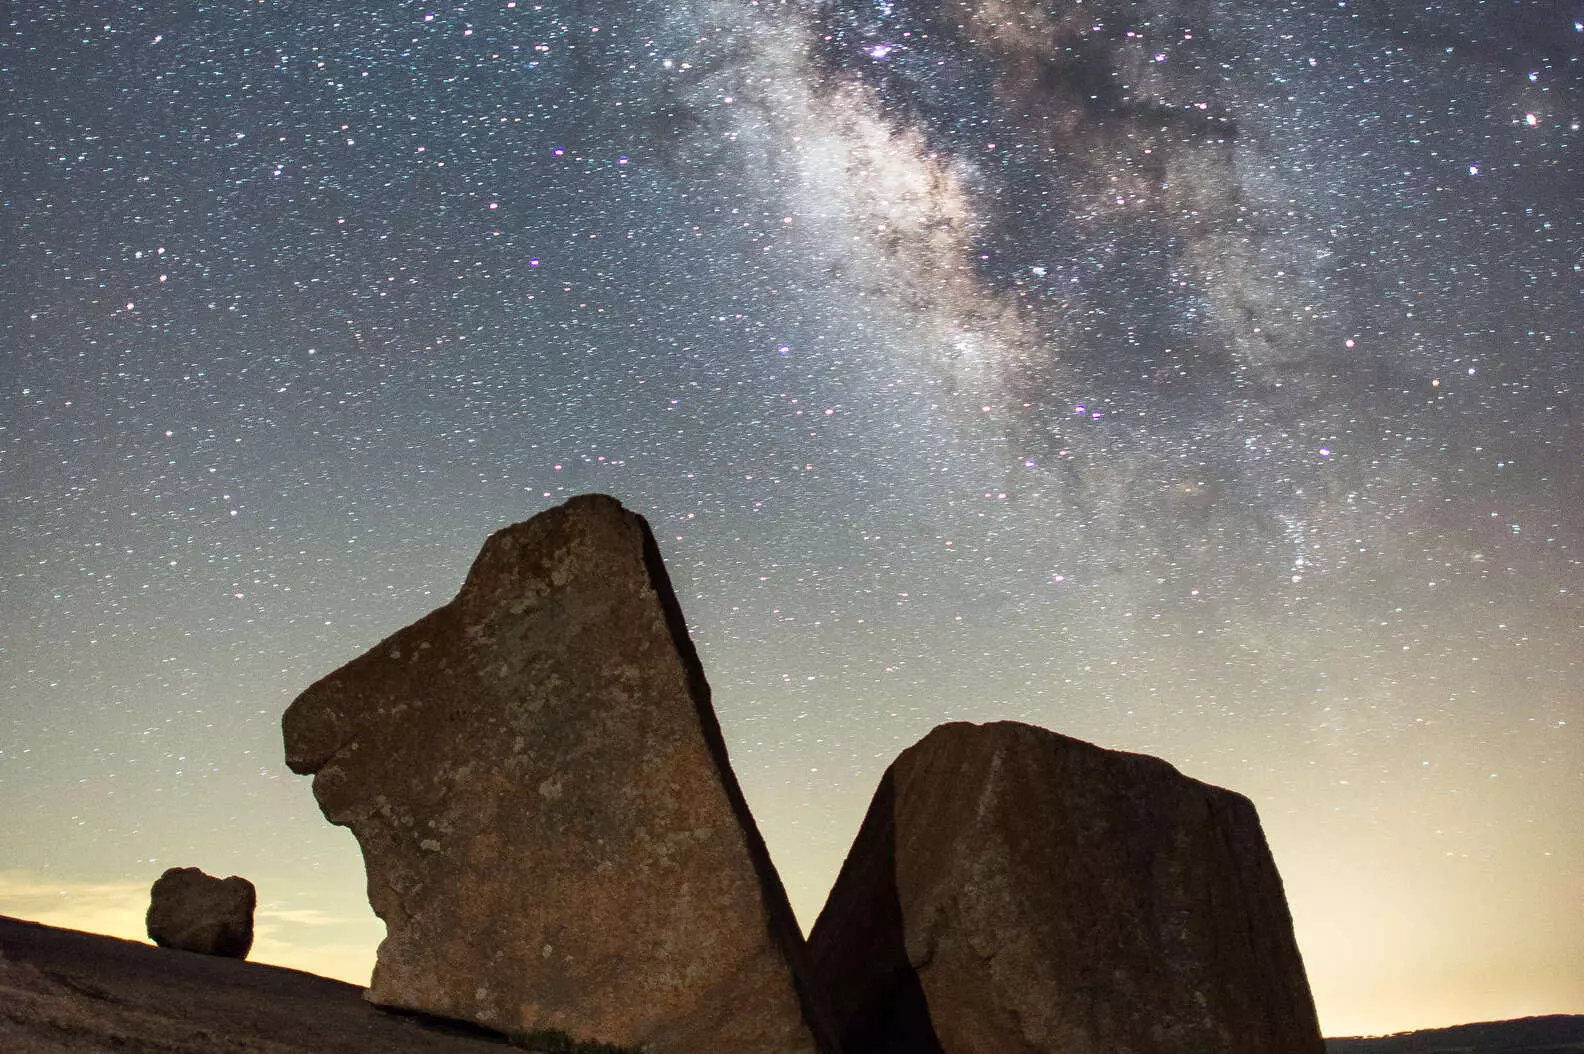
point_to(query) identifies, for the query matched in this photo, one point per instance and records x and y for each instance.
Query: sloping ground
(1553, 1034)
(65, 991)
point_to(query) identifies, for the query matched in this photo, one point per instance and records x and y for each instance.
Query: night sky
(1196, 377)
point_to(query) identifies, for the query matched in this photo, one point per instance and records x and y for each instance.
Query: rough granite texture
(1014, 891)
(201, 913)
(551, 829)
(65, 992)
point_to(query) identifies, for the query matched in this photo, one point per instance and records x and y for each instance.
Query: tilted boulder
(1014, 891)
(551, 829)
(201, 913)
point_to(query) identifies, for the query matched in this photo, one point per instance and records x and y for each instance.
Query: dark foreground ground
(65, 991)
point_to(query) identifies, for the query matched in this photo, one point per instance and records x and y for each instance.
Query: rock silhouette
(551, 828)
(201, 913)
(1014, 891)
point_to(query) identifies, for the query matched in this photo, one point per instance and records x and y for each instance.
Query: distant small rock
(201, 913)
(1015, 891)
(551, 827)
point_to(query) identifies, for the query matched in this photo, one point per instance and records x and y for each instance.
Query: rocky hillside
(79, 993)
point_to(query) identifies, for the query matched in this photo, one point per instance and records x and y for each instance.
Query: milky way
(1198, 378)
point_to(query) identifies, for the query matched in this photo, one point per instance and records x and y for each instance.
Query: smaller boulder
(200, 913)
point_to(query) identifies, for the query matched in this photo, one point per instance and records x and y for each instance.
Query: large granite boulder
(1014, 891)
(201, 913)
(551, 828)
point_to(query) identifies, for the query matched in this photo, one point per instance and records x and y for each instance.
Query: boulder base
(1014, 891)
(551, 828)
(201, 913)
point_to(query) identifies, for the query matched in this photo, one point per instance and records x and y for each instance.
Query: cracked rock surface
(1015, 891)
(551, 828)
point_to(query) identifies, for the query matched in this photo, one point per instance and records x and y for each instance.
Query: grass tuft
(554, 1041)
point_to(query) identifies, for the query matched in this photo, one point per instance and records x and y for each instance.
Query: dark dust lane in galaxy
(1196, 378)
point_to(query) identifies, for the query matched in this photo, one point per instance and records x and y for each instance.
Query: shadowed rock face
(551, 828)
(1014, 891)
(201, 913)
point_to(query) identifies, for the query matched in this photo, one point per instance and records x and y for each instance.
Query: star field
(1198, 379)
